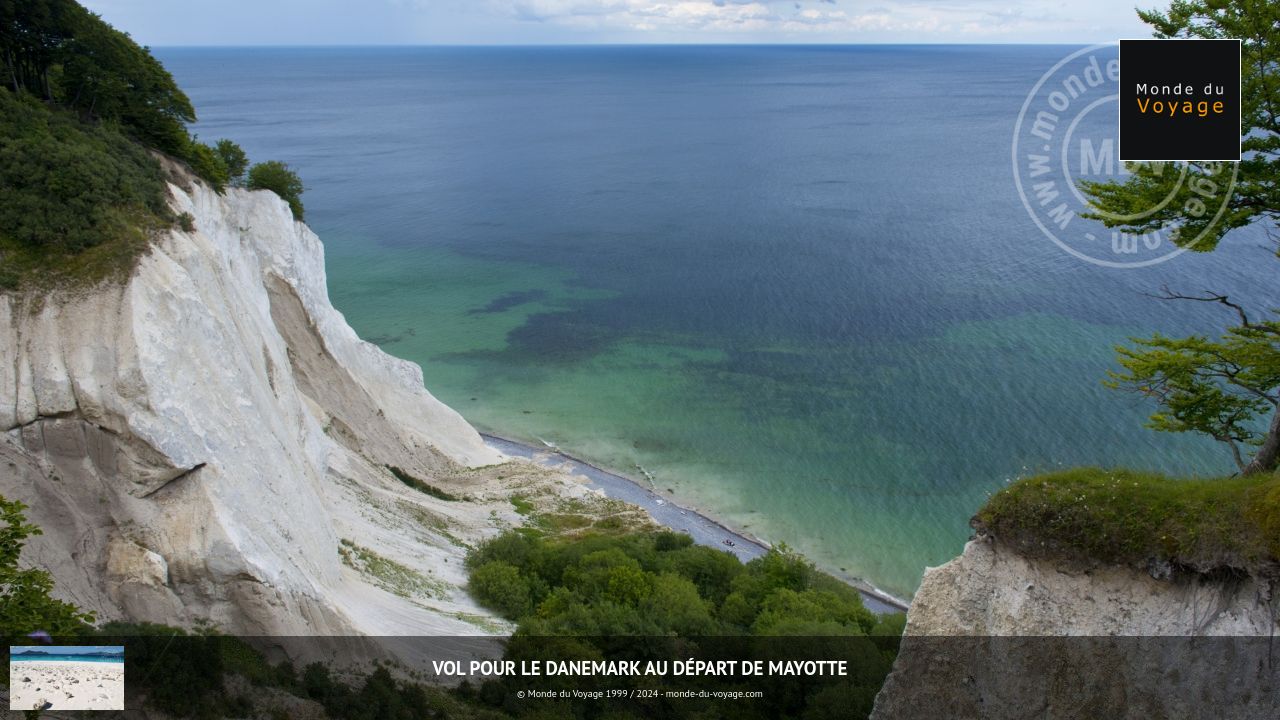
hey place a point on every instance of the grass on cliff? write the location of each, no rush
(1090, 516)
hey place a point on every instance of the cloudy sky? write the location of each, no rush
(400, 22)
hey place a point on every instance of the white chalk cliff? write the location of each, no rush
(198, 441)
(995, 634)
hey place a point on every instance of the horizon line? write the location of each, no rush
(300, 46)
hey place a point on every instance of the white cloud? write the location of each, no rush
(919, 18)
(336, 22)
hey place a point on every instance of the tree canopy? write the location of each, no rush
(657, 596)
(82, 105)
(58, 50)
(275, 176)
(1256, 193)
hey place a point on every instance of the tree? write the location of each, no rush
(276, 176)
(207, 163)
(233, 158)
(1256, 194)
(500, 586)
(1222, 388)
(25, 604)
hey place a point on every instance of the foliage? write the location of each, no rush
(276, 176)
(1256, 195)
(81, 106)
(208, 164)
(655, 583)
(62, 52)
(68, 186)
(654, 595)
(1217, 387)
(502, 588)
(25, 602)
(1143, 520)
(233, 159)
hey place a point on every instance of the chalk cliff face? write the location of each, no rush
(199, 441)
(994, 634)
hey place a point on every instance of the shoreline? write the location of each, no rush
(702, 527)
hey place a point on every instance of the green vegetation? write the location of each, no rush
(390, 575)
(1087, 516)
(275, 176)
(82, 112)
(233, 158)
(421, 485)
(1219, 388)
(522, 505)
(1226, 388)
(656, 595)
(656, 583)
(25, 603)
(1256, 194)
(78, 199)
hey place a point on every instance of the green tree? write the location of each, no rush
(25, 603)
(32, 32)
(1220, 388)
(68, 186)
(208, 164)
(276, 176)
(500, 586)
(106, 75)
(1226, 388)
(1256, 194)
(233, 158)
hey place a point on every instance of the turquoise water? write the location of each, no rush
(795, 284)
(38, 653)
(68, 658)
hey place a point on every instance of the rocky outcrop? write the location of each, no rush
(994, 634)
(198, 441)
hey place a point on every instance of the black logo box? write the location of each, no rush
(1185, 68)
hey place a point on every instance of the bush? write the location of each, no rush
(208, 164)
(69, 186)
(233, 159)
(276, 176)
(499, 586)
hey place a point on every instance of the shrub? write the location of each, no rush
(233, 159)
(500, 586)
(69, 186)
(276, 176)
(25, 601)
(208, 164)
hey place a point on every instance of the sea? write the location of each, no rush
(795, 285)
(51, 656)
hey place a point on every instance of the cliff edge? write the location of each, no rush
(995, 634)
(208, 441)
